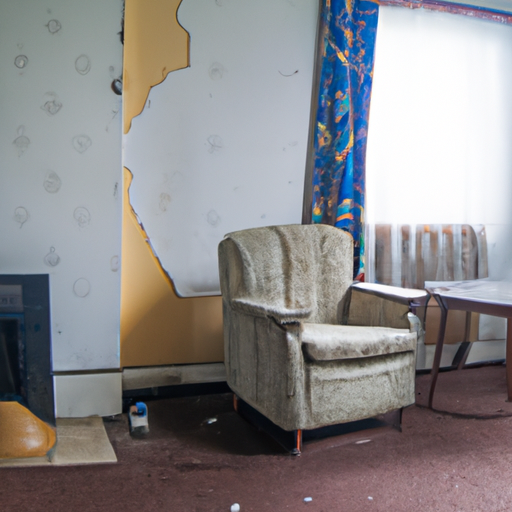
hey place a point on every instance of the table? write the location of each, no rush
(478, 296)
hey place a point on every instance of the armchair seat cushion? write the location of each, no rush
(324, 342)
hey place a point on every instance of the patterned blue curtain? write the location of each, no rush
(348, 40)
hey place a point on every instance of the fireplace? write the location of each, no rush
(12, 354)
(25, 343)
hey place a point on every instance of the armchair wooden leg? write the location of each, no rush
(397, 422)
(291, 440)
(297, 450)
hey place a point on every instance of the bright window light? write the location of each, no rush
(440, 132)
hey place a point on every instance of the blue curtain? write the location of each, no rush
(348, 41)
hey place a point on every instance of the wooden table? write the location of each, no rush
(477, 296)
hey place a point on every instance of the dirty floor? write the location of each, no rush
(200, 456)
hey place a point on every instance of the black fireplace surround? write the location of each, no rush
(25, 358)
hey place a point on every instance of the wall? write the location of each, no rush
(61, 182)
(219, 146)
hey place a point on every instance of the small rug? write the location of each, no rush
(79, 441)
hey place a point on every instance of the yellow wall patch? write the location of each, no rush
(155, 44)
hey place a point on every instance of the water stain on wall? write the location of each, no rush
(52, 259)
(81, 287)
(216, 71)
(82, 143)
(52, 182)
(22, 142)
(83, 64)
(21, 215)
(51, 104)
(54, 26)
(21, 61)
(215, 143)
(82, 216)
(213, 218)
(114, 263)
(165, 199)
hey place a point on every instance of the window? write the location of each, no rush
(440, 136)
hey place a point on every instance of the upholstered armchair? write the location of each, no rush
(304, 345)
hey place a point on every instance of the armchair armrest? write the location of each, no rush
(282, 315)
(381, 305)
(407, 296)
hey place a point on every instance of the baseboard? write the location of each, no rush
(163, 376)
(87, 394)
(481, 351)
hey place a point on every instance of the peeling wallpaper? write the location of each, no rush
(156, 45)
(60, 167)
(221, 145)
(157, 327)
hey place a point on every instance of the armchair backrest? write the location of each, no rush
(292, 266)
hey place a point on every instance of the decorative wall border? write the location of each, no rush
(474, 11)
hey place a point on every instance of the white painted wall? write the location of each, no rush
(60, 183)
(222, 144)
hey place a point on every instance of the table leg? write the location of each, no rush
(509, 359)
(438, 353)
(462, 353)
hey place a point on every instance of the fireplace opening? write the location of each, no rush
(12, 367)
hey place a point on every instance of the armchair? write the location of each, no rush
(305, 346)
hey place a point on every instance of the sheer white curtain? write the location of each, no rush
(440, 133)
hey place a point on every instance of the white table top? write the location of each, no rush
(481, 290)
